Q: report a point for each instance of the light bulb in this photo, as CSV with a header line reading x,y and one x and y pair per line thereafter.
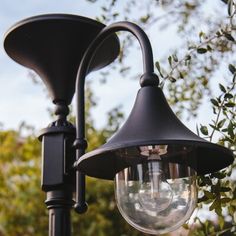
x,y
155,192
156,196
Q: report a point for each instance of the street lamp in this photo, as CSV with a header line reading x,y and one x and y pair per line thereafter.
x,y
153,159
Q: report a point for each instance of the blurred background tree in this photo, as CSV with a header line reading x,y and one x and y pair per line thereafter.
x,y
189,76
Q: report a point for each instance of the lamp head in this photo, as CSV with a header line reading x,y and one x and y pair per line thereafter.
x,y
153,123
154,160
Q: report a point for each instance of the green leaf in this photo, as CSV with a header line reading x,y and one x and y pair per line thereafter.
x,y
218,210
202,199
115,14
221,222
187,58
145,19
201,50
225,200
218,99
170,60
214,127
231,130
201,34
104,8
175,58
218,33
221,123
222,88
209,48
229,37
231,210
214,102
172,79
233,203
232,68
214,205
185,226
181,75
214,110
204,130
230,104
225,189
230,7
209,195
228,96
157,64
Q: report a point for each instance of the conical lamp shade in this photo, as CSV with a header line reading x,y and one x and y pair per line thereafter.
x,y
152,122
53,45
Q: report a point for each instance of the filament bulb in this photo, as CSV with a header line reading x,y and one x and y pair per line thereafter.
x,y
155,194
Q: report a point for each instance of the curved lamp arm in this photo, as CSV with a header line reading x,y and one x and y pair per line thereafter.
x,y
148,79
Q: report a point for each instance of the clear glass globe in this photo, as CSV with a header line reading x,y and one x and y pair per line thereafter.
x,y
156,197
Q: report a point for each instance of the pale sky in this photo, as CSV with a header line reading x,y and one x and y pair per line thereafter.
x,y
21,100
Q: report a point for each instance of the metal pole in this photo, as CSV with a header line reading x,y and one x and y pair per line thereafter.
x,y
59,204
58,176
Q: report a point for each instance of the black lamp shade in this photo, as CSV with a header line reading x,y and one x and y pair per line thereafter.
x,y
152,122
53,46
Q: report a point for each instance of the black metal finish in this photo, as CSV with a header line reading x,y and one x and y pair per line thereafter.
x,y
148,79
80,204
58,155
59,204
58,177
152,122
53,45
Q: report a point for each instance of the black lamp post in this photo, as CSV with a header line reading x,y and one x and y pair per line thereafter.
x,y
153,158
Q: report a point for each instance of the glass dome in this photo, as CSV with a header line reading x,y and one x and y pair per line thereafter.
x,y
156,197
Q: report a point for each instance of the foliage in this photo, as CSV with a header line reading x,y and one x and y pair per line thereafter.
x,y
19,186
218,190
202,53
21,199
